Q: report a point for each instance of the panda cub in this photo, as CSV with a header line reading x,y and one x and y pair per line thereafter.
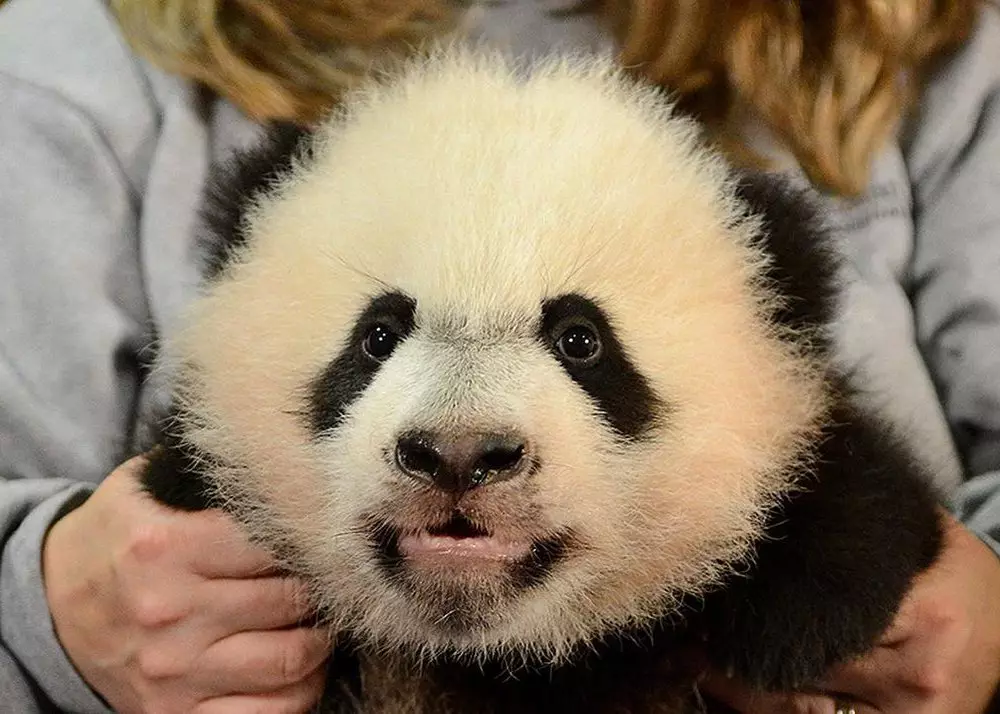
x,y
536,393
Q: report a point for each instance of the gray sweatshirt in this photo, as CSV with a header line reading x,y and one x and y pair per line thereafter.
x,y
102,161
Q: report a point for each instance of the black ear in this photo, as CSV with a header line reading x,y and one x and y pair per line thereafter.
x,y
235,184
805,263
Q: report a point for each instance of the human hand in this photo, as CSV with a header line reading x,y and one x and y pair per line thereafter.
x,y
166,611
940,656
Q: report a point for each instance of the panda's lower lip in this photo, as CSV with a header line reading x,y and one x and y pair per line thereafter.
x,y
479,548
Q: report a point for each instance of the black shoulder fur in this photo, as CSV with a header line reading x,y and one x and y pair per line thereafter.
x,y
175,473
837,560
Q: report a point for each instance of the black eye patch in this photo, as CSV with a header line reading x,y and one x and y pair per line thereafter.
x,y
579,335
387,320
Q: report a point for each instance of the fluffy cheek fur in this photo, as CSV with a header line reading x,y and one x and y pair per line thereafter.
x,y
245,360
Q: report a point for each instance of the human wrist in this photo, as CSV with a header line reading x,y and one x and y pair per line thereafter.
x,y
70,592
27,626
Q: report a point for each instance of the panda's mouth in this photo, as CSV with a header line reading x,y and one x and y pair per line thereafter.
x,y
460,545
460,539
459,527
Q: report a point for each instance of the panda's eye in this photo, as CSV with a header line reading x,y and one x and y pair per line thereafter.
x,y
380,341
579,344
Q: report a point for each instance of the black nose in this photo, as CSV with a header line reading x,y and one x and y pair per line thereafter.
x,y
461,462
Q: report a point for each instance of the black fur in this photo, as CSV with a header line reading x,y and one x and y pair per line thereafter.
x,y
621,392
234,186
623,675
348,375
805,265
175,474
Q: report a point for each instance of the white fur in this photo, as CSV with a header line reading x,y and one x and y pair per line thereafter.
x,y
480,192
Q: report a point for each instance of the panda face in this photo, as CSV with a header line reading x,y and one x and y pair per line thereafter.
x,y
495,381
470,436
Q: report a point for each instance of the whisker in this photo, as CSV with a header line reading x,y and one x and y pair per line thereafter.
x,y
445,616
356,270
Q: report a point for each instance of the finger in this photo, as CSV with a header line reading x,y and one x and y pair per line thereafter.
x,y
209,542
745,700
262,662
809,704
296,699
898,678
848,706
131,468
218,548
256,604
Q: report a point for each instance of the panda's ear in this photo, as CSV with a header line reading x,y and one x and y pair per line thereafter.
x,y
234,185
805,263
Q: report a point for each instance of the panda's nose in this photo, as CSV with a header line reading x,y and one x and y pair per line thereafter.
x,y
458,463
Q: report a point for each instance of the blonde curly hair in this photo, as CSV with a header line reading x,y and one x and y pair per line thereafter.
x,y
832,79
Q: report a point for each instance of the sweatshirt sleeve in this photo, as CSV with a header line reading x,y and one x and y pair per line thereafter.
x,y
35,672
73,313
953,153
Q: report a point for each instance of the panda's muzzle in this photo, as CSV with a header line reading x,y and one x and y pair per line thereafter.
x,y
458,463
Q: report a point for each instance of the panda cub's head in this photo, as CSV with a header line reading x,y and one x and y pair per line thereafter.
x,y
495,362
